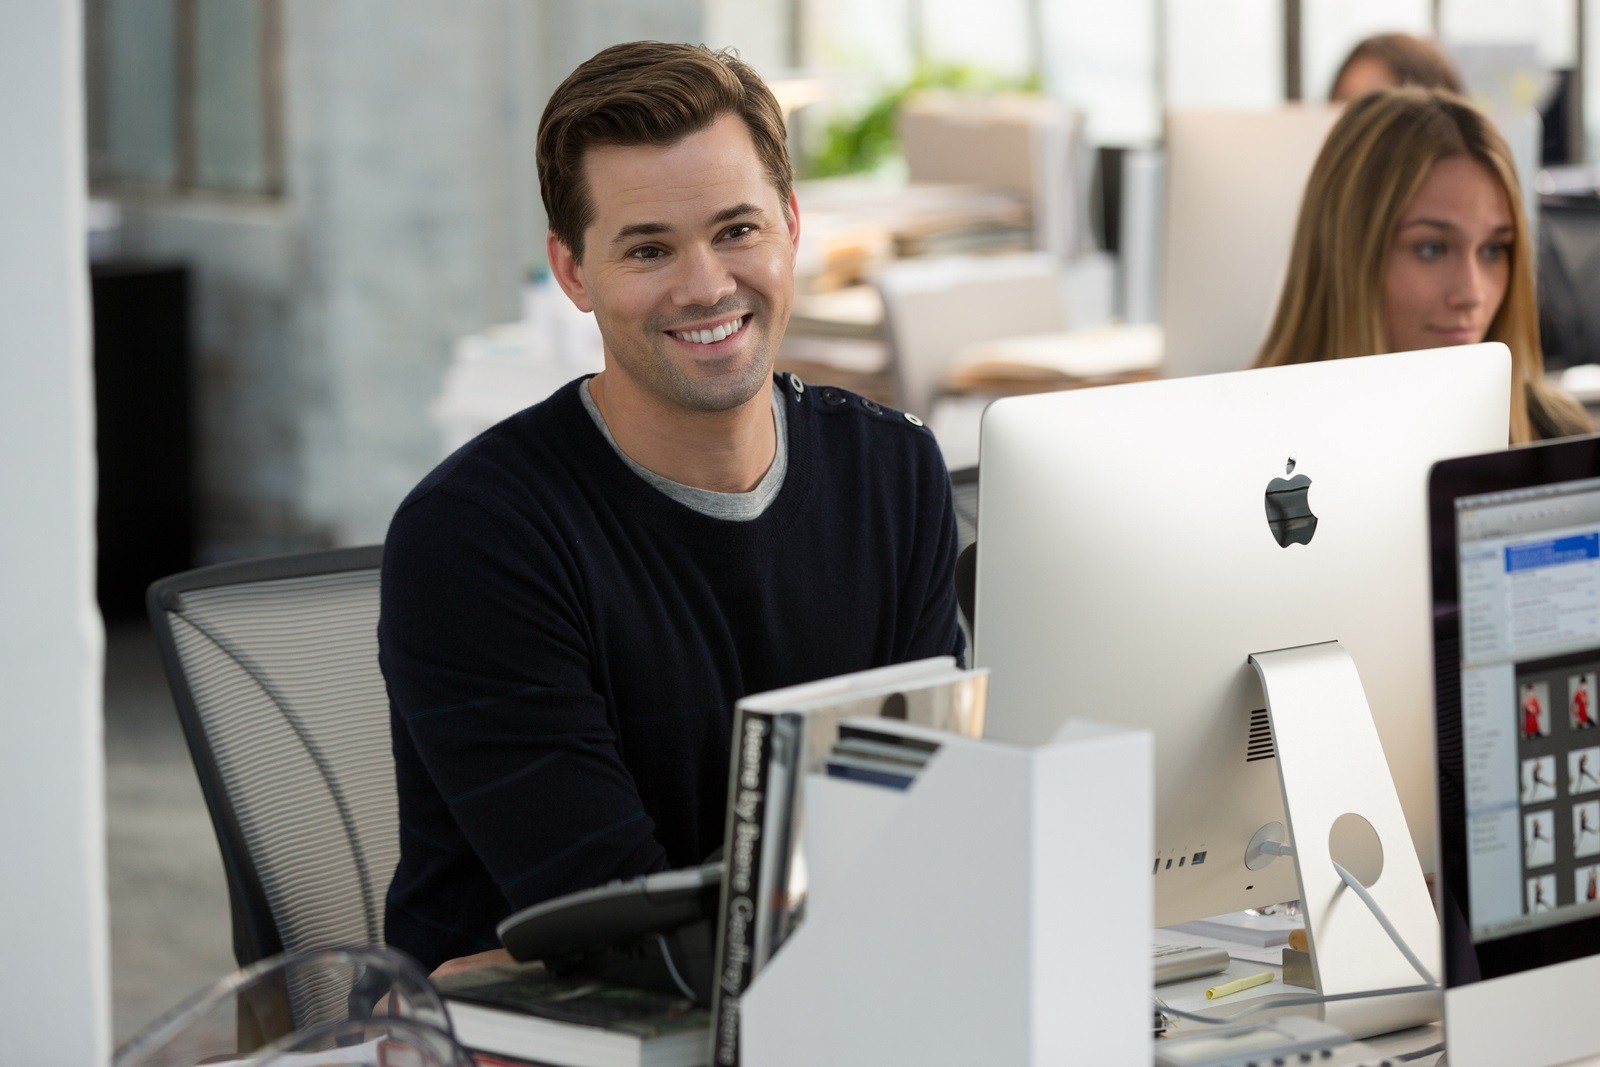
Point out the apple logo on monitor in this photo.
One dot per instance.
(1288, 510)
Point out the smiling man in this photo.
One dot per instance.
(574, 600)
(690, 274)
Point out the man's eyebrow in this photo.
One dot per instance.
(653, 229)
(728, 214)
(639, 229)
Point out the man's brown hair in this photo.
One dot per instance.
(648, 93)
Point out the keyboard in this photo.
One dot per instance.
(1174, 960)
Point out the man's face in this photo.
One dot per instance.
(688, 267)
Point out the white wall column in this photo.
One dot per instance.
(54, 985)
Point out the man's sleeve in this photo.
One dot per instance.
(484, 646)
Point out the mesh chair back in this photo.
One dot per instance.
(964, 487)
(274, 668)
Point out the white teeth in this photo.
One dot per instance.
(712, 336)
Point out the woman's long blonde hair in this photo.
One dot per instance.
(1369, 170)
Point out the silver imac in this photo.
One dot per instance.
(1138, 545)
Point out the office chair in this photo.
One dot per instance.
(273, 665)
(936, 306)
(964, 488)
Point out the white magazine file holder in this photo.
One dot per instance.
(998, 911)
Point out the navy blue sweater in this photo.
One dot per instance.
(563, 644)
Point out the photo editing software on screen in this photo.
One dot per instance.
(1530, 679)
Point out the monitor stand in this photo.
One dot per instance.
(1340, 803)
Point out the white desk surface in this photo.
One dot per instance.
(1190, 995)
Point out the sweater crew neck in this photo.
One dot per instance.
(570, 431)
(732, 507)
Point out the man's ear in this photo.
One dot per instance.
(567, 271)
(794, 226)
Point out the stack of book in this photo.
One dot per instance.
(1253, 928)
(522, 1011)
(878, 754)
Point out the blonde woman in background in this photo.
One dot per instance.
(1411, 235)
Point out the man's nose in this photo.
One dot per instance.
(703, 279)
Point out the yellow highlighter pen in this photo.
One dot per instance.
(1227, 989)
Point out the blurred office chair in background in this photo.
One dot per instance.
(935, 307)
(964, 488)
(1023, 143)
(964, 485)
(1569, 275)
(273, 665)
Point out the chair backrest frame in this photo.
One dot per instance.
(256, 933)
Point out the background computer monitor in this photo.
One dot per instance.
(1516, 548)
(1234, 183)
(1126, 570)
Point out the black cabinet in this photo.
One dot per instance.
(145, 524)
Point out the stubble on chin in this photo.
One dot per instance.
(718, 391)
(710, 396)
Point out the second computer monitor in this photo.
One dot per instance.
(1234, 184)
(1129, 563)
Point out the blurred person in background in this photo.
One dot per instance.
(1390, 60)
(1412, 235)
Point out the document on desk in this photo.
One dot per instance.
(1272, 954)
(1247, 930)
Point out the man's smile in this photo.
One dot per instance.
(710, 335)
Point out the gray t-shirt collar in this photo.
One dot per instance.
(732, 507)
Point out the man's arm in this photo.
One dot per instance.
(484, 645)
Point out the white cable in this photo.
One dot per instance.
(1383, 921)
(1281, 1000)
(672, 969)
(1279, 848)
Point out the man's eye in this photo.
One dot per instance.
(646, 252)
(743, 229)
